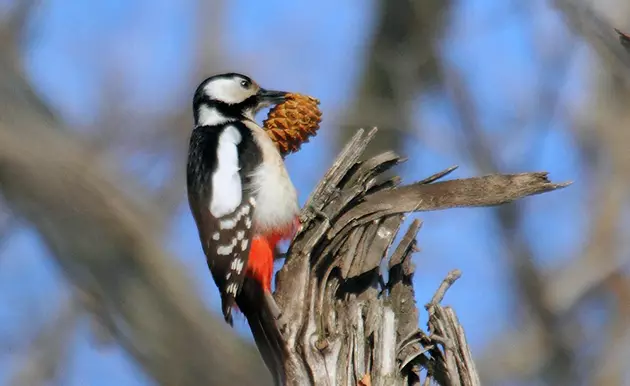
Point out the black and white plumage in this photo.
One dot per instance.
(238, 187)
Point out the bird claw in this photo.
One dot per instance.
(318, 213)
(321, 214)
(282, 322)
(276, 312)
(297, 225)
(273, 306)
(336, 193)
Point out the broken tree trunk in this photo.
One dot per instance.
(344, 324)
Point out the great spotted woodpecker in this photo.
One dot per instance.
(239, 192)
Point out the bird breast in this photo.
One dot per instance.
(276, 203)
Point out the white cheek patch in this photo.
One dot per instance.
(228, 90)
(226, 183)
(210, 116)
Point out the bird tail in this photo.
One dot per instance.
(252, 302)
(256, 303)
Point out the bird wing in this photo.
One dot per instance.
(226, 243)
(221, 202)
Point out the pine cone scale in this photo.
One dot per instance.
(291, 123)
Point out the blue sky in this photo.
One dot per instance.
(493, 44)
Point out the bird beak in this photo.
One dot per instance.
(269, 97)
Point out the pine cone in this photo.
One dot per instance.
(292, 122)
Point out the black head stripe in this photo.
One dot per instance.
(232, 111)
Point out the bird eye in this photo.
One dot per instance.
(245, 83)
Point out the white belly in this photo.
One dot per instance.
(276, 198)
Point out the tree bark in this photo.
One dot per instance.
(346, 325)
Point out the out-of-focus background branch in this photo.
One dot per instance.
(96, 239)
(402, 61)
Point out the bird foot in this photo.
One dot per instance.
(276, 312)
(318, 213)
(273, 306)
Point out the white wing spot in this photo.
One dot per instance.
(235, 263)
(240, 235)
(252, 201)
(229, 223)
(244, 244)
(227, 277)
(227, 249)
(248, 222)
(224, 250)
(239, 266)
(232, 288)
(216, 236)
(226, 182)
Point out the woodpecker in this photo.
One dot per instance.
(239, 191)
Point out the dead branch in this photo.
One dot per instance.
(454, 359)
(345, 322)
(401, 61)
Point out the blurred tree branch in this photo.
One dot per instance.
(624, 39)
(162, 134)
(603, 265)
(106, 246)
(109, 246)
(402, 60)
(528, 278)
(555, 296)
(583, 20)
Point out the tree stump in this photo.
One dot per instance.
(346, 325)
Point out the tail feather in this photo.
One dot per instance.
(252, 303)
(226, 306)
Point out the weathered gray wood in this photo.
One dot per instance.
(344, 327)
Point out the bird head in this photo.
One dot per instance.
(231, 96)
